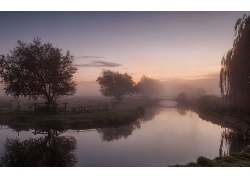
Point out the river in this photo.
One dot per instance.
(165, 136)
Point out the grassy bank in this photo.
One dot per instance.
(241, 159)
(95, 118)
(214, 110)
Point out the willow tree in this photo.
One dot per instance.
(37, 70)
(235, 67)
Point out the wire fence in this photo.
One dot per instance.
(62, 107)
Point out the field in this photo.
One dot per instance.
(80, 113)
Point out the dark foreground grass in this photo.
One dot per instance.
(120, 114)
(241, 159)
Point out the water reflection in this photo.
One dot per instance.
(168, 103)
(50, 150)
(164, 136)
(232, 142)
(150, 114)
(182, 111)
(116, 133)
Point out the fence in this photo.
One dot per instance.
(62, 107)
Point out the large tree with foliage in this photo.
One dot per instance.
(235, 67)
(115, 84)
(38, 70)
(148, 86)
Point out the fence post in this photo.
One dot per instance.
(65, 105)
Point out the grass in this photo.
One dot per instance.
(241, 159)
(217, 113)
(94, 118)
(223, 117)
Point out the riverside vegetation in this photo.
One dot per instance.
(214, 110)
(89, 117)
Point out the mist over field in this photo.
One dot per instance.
(171, 87)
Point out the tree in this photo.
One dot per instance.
(182, 97)
(38, 70)
(199, 92)
(115, 84)
(148, 86)
(235, 67)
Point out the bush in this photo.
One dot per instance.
(204, 162)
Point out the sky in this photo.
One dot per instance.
(170, 46)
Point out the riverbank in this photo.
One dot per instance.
(241, 159)
(123, 113)
(212, 109)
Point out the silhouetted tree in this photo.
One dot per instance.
(115, 84)
(235, 67)
(182, 97)
(37, 70)
(49, 151)
(148, 86)
(199, 92)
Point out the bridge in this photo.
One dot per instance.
(170, 99)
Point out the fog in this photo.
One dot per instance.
(171, 87)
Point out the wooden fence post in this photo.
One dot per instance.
(65, 104)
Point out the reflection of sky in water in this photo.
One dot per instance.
(169, 138)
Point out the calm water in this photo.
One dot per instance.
(165, 136)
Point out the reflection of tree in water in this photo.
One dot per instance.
(182, 111)
(50, 150)
(111, 134)
(116, 133)
(231, 142)
(150, 113)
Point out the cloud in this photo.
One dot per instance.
(88, 57)
(99, 64)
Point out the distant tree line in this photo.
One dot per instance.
(117, 85)
(37, 70)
